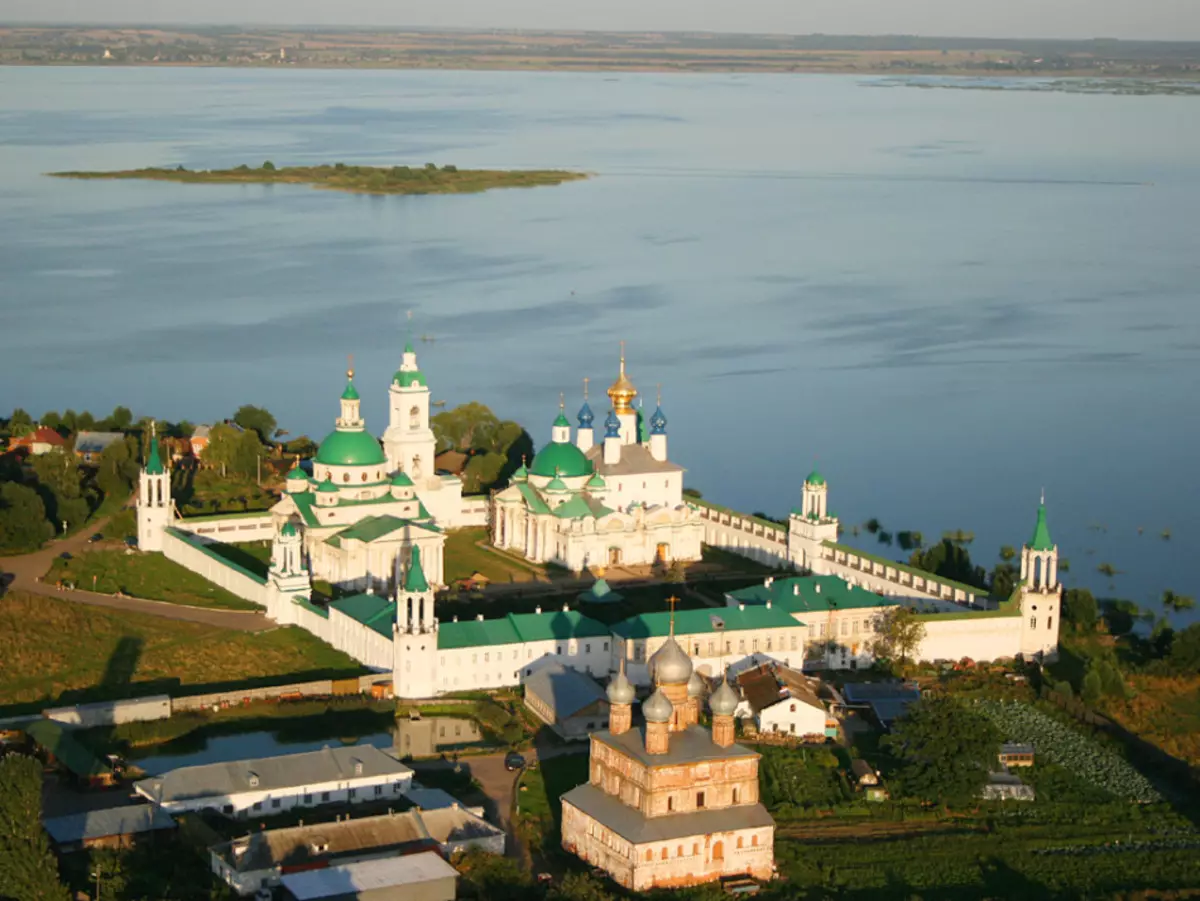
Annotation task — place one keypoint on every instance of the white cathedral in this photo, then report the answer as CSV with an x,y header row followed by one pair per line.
x,y
371,520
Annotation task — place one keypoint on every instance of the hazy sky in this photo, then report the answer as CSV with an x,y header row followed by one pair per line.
x,y
1163,19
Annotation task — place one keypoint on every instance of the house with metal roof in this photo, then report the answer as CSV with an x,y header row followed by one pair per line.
x,y
569,702
266,858
90,445
783,701
419,877
110,827
275,784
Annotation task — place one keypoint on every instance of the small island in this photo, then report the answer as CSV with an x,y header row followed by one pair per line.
x,y
427,179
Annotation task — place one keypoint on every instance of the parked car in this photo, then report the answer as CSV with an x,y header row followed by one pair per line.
x,y
513,761
65,555
95,538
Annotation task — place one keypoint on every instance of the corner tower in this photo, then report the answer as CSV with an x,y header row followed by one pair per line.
x,y
1040,591
415,635
811,525
408,441
154,498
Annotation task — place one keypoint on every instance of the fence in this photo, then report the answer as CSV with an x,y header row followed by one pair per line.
x,y
191,553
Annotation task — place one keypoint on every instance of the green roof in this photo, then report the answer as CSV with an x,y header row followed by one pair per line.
x,y
288,529
562,420
643,432
327,487
402,480
556,486
597,481
66,748
154,465
519,627
408,378
811,594
301,601
350,448
600,593
579,506
1041,532
408,347
297,473
521,474
560,458
350,393
371,528
532,498
372,610
815,478
414,579
709,619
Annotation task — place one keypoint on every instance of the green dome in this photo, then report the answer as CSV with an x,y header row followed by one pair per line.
x,y
408,379
401,480
564,460
597,481
350,449
521,474
556,486
327,487
297,474
561,421
351,393
815,478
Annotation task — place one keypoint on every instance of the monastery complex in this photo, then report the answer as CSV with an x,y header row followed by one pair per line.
x,y
371,520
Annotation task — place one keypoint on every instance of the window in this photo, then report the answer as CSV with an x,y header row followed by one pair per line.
x,y
559,651
754,841
378,791
276,803
228,808
1049,622
398,787
606,645
307,798
742,645
345,477
1033,622
735,795
768,642
364,476
792,708
324,796
699,800
794,643
711,647
649,856
670,804
664,853
487,658
258,805
679,851
792,726
695,848
587,648
741,842
352,793
754,645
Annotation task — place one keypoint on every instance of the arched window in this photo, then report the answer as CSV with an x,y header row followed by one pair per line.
x,y
1033,622
1049,622
670,804
345,477
414,418
364,476
754,841
741,842
649,856
695,848
718,851
735,795
664,853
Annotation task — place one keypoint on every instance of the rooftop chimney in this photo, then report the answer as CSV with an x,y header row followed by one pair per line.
x,y
479,617
537,609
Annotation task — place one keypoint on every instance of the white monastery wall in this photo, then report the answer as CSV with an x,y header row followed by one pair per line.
x,y
361,642
978,637
742,535
228,529
232,578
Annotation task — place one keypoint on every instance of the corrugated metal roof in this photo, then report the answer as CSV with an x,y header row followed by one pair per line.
x,y
812,594
520,627
696,622
564,690
632,825
286,771
692,745
131,819
367,875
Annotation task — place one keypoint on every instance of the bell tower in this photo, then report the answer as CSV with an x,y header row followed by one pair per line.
x,y
408,441
1040,591
811,524
154,498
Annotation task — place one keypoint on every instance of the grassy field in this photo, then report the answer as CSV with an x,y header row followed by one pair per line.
x,y
538,795
123,525
60,652
427,179
464,558
142,576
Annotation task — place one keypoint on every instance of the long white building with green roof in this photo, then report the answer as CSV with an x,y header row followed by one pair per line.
x,y
584,505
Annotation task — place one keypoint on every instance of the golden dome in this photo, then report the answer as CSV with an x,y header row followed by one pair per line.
x,y
622,391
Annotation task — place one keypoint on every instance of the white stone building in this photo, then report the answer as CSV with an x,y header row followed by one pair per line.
x,y
783,701
583,504
275,784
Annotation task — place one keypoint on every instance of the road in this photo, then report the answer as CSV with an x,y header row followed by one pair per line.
x,y
23,573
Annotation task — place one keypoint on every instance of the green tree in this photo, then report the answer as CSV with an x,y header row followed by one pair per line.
x,y
467,426
898,634
1008,553
1080,609
62,487
258,419
85,421
1185,650
580,887
269,166
28,871
222,450
51,420
118,467
945,750
19,417
950,560
693,492
490,877
23,522
482,471
1004,579
1176,603
120,419
1092,688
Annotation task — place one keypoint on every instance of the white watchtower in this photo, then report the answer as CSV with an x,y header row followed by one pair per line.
x,y
288,574
1041,592
415,635
154,499
811,524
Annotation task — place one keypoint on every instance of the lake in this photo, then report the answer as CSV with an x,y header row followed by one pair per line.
x,y
946,299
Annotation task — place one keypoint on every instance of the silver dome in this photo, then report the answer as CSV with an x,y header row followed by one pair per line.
x,y
656,708
724,700
695,685
620,689
670,664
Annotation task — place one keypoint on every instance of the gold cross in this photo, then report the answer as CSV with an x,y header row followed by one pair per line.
x,y
350,366
672,601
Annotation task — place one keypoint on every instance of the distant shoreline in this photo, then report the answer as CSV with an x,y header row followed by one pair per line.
x,y
427,179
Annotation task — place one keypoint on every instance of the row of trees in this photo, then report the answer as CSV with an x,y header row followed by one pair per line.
x,y
27,868
121,419
495,447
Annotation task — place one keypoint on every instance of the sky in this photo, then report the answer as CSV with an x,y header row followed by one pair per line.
x,y
1135,19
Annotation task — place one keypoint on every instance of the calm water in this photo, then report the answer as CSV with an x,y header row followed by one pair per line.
x,y
247,746
948,299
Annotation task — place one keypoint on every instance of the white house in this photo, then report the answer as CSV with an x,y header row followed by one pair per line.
x,y
782,700
274,784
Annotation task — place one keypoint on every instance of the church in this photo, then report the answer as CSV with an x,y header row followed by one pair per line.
x,y
670,803
585,504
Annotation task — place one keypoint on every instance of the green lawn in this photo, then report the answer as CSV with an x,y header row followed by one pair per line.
x,y
464,558
123,525
59,652
540,805
142,575
254,556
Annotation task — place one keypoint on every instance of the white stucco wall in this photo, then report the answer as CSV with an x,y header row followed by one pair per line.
x,y
219,572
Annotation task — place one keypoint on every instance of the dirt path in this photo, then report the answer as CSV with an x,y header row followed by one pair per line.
x,y
23,573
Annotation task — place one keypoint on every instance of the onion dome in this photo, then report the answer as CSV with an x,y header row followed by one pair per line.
x,y
658,422
351,393
815,478
596,482
327,487
401,480
556,486
656,708
695,685
522,474
586,417
561,421
612,426
622,391
620,689
296,474
724,700
670,664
